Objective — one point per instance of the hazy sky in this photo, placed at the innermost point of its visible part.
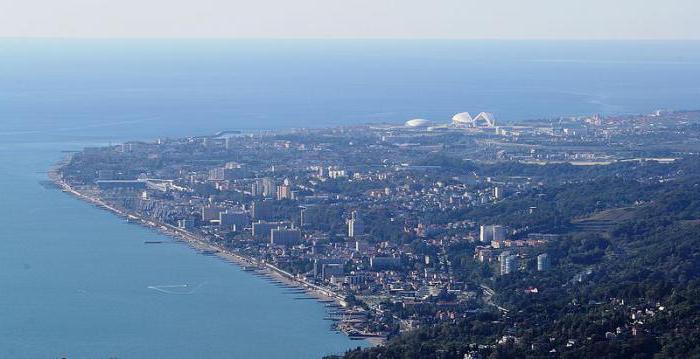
(472, 19)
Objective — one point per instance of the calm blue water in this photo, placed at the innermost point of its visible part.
(154, 88)
(74, 280)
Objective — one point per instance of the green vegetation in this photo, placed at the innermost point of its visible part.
(628, 289)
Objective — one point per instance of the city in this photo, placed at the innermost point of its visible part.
(401, 228)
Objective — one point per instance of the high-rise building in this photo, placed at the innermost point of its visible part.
(355, 225)
(268, 187)
(186, 224)
(543, 263)
(210, 213)
(233, 220)
(485, 234)
(224, 174)
(320, 263)
(498, 193)
(284, 192)
(263, 230)
(361, 245)
(302, 209)
(488, 233)
(499, 232)
(509, 264)
(285, 236)
(332, 270)
(257, 188)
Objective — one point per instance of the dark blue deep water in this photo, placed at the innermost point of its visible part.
(74, 279)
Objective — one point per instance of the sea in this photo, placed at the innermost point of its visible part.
(78, 282)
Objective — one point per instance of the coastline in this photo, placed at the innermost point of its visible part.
(324, 295)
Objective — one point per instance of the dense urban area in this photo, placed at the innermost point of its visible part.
(468, 238)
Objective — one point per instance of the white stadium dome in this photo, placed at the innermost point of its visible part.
(462, 118)
(417, 122)
(483, 119)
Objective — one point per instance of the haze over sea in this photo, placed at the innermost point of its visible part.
(74, 280)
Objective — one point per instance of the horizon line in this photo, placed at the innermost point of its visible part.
(342, 38)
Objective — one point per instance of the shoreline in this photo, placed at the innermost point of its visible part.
(321, 294)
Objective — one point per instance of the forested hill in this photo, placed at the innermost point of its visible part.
(626, 282)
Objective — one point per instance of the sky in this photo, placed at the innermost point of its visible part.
(450, 19)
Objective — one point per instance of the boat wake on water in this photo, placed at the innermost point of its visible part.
(177, 289)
